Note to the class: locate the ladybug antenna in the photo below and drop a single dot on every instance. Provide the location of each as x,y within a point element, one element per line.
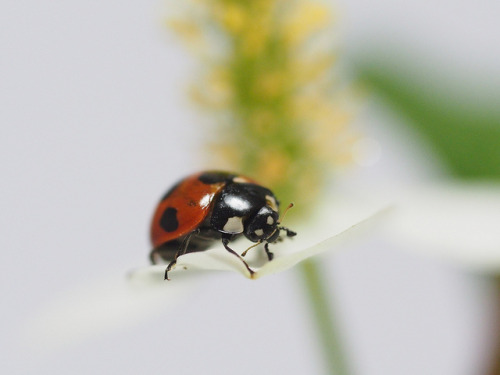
<point>280,220</point>
<point>251,247</point>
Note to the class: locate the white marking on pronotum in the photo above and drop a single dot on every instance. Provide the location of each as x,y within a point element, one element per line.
<point>258,232</point>
<point>237,203</point>
<point>233,225</point>
<point>270,220</point>
<point>272,203</point>
<point>241,180</point>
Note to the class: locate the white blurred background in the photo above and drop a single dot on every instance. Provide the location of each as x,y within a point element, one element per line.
<point>95,125</point>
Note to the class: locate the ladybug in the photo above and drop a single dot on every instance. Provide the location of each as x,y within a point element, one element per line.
<point>214,206</point>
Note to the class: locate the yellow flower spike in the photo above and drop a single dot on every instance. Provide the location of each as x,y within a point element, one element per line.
<point>272,84</point>
<point>308,182</point>
<point>345,155</point>
<point>254,39</point>
<point>327,129</point>
<point>304,20</point>
<point>218,85</point>
<point>272,166</point>
<point>226,156</point>
<point>307,72</point>
<point>205,98</point>
<point>265,6</point>
<point>233,18</point>
<point>308,107</point>
<point>189,31</point>
<point>261,121</point>
<point>336,151</point>
<point>268,86</point>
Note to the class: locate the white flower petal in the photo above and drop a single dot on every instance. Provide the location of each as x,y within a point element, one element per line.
<point>287,253</point>
<point>334,243</point>
<point>456,221</point>
<point>215,259</point>
<point>119,300</point>
<point>99,307</point>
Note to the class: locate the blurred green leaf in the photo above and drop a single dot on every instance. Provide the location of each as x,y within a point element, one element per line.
<point>465,135</point>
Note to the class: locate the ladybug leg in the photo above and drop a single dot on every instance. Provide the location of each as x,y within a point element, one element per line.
<point>169,267</point>
<point>289,233</point>
<point>225,242</point>
<point>182,250</point>
<point>270,255</point>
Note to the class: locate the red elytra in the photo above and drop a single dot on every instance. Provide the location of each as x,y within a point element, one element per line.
<point>191,198</point>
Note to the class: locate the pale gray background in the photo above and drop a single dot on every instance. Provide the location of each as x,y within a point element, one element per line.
<point>94,126</point>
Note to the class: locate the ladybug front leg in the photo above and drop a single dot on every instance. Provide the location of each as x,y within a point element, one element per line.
<point>270,255</point>
<point>225,242</point>
<point>289,233</point>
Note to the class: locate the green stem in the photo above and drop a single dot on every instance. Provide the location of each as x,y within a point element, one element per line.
<point>317,293</point>
<point>495,355</point>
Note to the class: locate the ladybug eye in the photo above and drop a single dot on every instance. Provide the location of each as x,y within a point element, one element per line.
<point>270,220</point>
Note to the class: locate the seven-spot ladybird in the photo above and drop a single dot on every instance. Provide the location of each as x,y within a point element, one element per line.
<point>210,206</point>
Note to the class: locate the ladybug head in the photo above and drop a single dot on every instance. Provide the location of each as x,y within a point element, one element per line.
<point>262,226</point>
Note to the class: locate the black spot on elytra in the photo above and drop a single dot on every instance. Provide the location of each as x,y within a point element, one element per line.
<point>215,177</point>
<point>168,220</point>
